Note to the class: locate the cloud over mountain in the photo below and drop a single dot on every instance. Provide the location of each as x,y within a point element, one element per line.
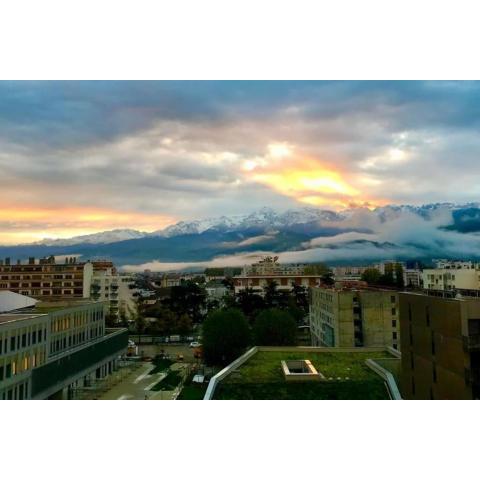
<point>83,157</point>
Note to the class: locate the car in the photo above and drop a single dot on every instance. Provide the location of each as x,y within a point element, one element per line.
<point>195,344</point>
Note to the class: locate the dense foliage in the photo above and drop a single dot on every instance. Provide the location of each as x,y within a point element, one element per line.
<point>274,327</point>
<point>226,335</point>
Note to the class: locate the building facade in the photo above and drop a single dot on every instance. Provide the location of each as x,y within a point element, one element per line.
<point>109,286</point>
<point>440,347</point>
<point>446,279</point>
<point>354,318</point>
<point>49,350</point>
<point>47,279</point>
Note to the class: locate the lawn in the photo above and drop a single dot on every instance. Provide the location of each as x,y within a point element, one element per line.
<point>161,364</point>
<point>335,390</point>
<point>170,382</point>
<point>192,392</point>
<point>348,377</point>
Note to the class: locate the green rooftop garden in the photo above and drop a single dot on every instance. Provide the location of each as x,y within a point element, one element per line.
<point>348,377</point>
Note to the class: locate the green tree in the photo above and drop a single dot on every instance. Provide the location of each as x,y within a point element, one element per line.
<point>399,281</point>
<point>188,298</point>
<point>327,278</point>
<point>371,276</point>
<point>226,335</point>
<point>274,327</point>
<point>249,303</point>
<point>300,297</point>
<point>271,294</point>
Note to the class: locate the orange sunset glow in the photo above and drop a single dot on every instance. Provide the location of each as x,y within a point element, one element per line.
<point>306,179</point>
<point>65,222</point>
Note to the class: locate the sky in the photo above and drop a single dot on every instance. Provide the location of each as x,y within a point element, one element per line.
<point>82,157</point>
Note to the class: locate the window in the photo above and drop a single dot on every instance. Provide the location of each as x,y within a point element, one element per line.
<point>394,335</point>
<point>12,344</point>
<point>24,340</point>
<point>394,311</point>
<point>394,324</point>
<point>392,298</point>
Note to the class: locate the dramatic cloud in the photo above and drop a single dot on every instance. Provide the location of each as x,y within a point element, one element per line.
<point>80,157</point>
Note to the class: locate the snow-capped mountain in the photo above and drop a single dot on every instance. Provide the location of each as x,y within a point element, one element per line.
<point>265,218</point>
<point>110,236</point>
<point>441,230</point>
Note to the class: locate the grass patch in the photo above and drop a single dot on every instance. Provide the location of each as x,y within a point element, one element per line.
<point>161,364</point>
<point>261,378</point>
<point>192,392</point>
<point>170,382</point>
<point>335,390</point>
<point>264,367</point>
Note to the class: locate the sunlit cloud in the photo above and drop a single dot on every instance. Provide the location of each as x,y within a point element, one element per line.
<point>142,155</point>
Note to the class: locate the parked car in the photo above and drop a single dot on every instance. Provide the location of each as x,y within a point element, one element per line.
<point>195,344</point>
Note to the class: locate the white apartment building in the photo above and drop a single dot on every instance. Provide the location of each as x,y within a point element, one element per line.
<point>454,264</point>
<point>270,266</point>
<point>348,273</point>
<point>412,277</point>
<point>451,279</point>
<point>109,286</point>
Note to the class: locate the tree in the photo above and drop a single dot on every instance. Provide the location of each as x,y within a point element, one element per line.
<point>300,297</point>
<point>271,294</point>
<point>371,276</point>
<point>327,278</point>
<point>274,327</point>
<point>226,335</point>
<point>184,325</point>
<point>250,303</point>
<point>399,276</point>
<point>188,298</point>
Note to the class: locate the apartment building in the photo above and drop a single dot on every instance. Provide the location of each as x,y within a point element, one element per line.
<point>440,346</point>
<point>351,317</point>
<point>109,286</point>
<point>47,279</point>
<point>260,275</point>
<point>270,266</point>
<point>49,350</point>
<point>413,277</point>
<point>348,273</point>
<point>284,282</point>
<point>445,279</point>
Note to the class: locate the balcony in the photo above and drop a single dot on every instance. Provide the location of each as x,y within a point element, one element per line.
<point>472,342</point>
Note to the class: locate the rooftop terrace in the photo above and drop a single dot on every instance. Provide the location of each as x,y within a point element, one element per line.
<point>346,376</point>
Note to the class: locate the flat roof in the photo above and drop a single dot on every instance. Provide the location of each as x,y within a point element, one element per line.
<point>16,317</point>
<point>346,375</point>
<point>44,307</point>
